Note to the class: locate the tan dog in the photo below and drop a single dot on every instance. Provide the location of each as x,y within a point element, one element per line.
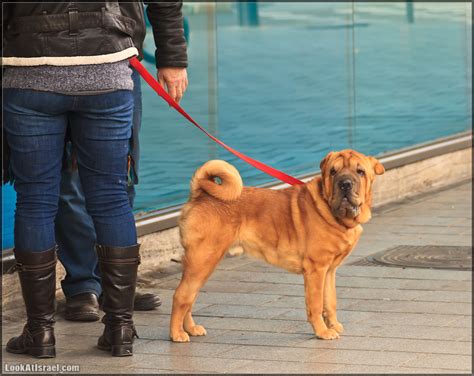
<point>307,229</point>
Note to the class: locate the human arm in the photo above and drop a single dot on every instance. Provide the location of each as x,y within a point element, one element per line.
<point>171,58</point>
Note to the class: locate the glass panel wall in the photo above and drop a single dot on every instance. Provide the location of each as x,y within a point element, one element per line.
<point>171,148</point>
<point>412,64</point>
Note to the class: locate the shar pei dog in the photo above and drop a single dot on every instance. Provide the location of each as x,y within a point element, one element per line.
<point>307,229</point>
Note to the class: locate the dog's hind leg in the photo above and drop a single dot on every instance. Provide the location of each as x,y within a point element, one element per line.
<point>198,263</point>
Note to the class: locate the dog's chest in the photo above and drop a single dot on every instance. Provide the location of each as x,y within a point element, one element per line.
<point>347,243</point>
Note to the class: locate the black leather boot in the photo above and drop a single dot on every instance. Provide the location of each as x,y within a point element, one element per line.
<point>143,301</point>
<point>118,269</point>
<point>37,271</point>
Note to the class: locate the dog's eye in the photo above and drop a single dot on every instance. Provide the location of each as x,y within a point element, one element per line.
<point>332,171</point>
<point>360,172</point>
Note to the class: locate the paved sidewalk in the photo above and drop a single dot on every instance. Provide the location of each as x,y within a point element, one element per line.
<point>396,320</point>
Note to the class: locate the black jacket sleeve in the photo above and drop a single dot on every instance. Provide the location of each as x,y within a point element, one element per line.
<point>166,19</point>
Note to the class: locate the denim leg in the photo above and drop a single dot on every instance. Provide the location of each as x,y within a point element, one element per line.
<point>75,236</point>
<point>101,128</point>
<point>137,121</point>
<point>35,126</point>
<point>75,233</point>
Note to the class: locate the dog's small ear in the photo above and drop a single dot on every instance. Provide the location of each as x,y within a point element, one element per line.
<point>325,160</point>
<point>377,166</point>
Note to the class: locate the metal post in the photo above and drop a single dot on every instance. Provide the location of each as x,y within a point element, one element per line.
<point>248,13</point>
<point>410,12</point>
<point>212,77</point>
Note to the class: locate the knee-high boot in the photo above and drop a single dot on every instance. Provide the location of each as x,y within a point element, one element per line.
<point>118,267</point>
<point>37,271</point>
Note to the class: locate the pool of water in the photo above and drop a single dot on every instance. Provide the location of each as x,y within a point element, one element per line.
<point>312,77</point>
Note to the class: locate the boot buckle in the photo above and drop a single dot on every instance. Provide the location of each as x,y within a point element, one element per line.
<point>17,267</point>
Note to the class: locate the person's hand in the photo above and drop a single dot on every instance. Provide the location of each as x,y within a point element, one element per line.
<point>175,79</point>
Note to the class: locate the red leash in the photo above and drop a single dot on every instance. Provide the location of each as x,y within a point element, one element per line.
<point>163,94</point>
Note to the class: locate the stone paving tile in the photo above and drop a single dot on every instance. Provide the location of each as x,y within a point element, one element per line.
<point>62,357</point>
<point>364,370</point>
<point>194,348</point>
<point>412,307</point>
<point>344,316</point>
<point>272,288</point>
<point>368,329</point>
<point>166,308</point>
<point>83,328</point>
<point>435,333</point>
<point>235,298</point>
<point>425,239</point>
<point>411,229</point>
<point>403,295</point>
<point>363,357</point>
<point>188,363</point>
<point>417,319</point>
<point>341,281</point>
<point>307,355</point>
<point>440,361</point>
<point>227,298</point>
<point>271,339</point>
<point>399,273</point>
<point>424,221</point>
<point>284,367</point>
<point>289,354</point>
<point>219,286</point>
<point>150,362</point>
<point>298,302</point>
<point>148,331</point>
<point>461,322</point>
<point>230,323</point>
<point>370,341</point>
<point>440,213</point>
<point>251,312</point>
<point>438,296</point>
<point>242,276</point>
<point>403,284</point>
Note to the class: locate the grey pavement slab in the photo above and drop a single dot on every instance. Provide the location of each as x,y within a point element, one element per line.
<point>396,320</point>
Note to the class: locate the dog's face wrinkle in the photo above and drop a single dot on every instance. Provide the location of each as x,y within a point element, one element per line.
<point>346,167</point>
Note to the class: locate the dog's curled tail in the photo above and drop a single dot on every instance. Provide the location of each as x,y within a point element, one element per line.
<point>205,179</point>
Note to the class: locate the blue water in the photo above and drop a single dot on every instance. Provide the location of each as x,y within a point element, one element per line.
<point>313,77</point>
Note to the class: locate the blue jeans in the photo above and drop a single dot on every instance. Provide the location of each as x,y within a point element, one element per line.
<point>100,125</point>
<point>75,233</point>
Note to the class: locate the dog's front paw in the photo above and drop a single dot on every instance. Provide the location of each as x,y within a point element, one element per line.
<point>328,334</point>
<point>337,326</point>
<point>196,330</point>
<point>181,336</point>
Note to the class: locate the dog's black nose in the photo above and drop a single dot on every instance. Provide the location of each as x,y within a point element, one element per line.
<point>345,185</point>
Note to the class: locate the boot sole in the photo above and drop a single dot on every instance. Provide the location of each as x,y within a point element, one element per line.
<point>37,352</point>
<point>118,350</point>
<point>86,317</point>
<point>147,307</point>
